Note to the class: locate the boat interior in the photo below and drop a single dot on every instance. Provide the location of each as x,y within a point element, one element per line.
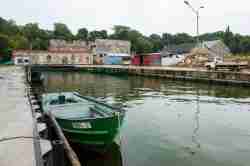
<point>69,105</point>
<point>61,99</point>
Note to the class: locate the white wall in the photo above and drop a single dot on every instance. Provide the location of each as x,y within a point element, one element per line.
<point>174,60</point>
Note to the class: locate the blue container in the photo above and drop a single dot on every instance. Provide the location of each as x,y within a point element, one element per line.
<point>112,60</point>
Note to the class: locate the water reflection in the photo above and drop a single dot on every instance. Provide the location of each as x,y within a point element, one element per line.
<point>111,157</point>
<point>168,122</point>
<point>132,88</point>
<point>197,122</point>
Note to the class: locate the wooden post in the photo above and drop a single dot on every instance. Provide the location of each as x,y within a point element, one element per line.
<point>58,153</point>
<point>69,151</point>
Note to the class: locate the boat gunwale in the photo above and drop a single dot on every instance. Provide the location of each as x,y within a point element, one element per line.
<point>99,102</point>
<point>121,111</point>
<point>88,118</point>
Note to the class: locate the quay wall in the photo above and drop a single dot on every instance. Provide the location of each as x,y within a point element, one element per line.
<point>187,74</point>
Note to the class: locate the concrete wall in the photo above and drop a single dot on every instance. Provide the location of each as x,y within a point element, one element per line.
<point>64,46</point>
<point>103,46</point>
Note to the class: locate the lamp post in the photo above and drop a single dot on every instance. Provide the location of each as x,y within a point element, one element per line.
<point>197,13</point>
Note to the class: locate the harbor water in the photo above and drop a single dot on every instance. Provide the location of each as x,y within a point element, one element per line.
<point>168,122</point>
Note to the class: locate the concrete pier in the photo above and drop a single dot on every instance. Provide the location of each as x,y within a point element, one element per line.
<point>15,120</point>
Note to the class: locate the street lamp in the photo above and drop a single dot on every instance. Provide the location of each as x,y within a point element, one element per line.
<point>197,16</point>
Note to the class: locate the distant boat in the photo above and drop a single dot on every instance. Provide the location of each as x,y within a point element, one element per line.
<point>83,119</point>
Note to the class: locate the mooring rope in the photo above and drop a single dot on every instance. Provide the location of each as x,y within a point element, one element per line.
<point>19,137</point>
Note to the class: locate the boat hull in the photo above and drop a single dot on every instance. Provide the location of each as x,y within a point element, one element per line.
<point>92,132</point>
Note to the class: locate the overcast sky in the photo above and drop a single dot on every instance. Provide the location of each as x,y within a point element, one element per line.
<point>147,16</point>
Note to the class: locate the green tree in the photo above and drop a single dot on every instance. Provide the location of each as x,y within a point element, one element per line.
<point>19,42</point>
<point>212,36</point>
<point>8,27</point>
<point>61,31</point>
<point>229,39</point>
<point>4,48</point>
<point>245,45</point>
<point>236,46</point>
<point>3,25</point>
<point>82,34</point>
<point>133,36</point>
<point>181,38</point>
<point>140,43</point>
<point>4,43</point>
<point>103,34</point>
<point>157,42</point>
<point>46,35</point>
<point>143,45</point>
<point>93,35</point>
<point>120,32</point>
<point>167,39</point>
<point>32,32</point>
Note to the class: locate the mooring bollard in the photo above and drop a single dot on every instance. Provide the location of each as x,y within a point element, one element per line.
<point>50,133</point>
<point>58,153</point>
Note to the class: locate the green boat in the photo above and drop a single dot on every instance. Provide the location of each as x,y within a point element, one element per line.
<point>84,120</point>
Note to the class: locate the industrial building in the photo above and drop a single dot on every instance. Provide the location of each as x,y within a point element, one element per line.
<point>111,52</point>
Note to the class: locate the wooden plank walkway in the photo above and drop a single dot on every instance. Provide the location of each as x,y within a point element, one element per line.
<point>15,119</point>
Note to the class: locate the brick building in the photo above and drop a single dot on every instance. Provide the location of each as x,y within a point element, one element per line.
<point>59,52</point>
